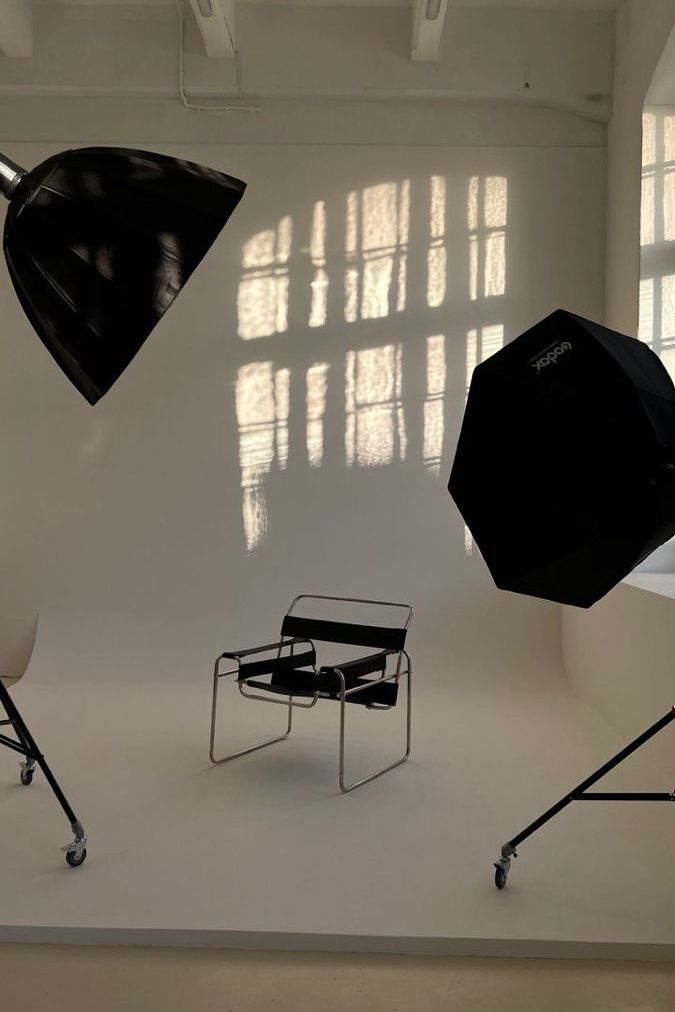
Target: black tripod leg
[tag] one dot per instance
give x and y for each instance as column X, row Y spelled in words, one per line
column 508, row 850
column 76, row 851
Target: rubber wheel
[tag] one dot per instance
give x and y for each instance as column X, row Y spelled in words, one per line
column 73, row 860
column 27, row 777
column 500, row 876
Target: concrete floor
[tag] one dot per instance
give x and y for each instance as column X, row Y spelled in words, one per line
column 55, row 978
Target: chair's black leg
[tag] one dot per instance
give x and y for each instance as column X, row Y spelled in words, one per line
column 580, row 793
column 75, row 852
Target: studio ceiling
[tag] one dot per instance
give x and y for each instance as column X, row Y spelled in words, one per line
column 517, row 51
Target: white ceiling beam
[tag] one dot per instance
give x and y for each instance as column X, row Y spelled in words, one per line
column 16, row 27
column 215, row 19
column 427, row 27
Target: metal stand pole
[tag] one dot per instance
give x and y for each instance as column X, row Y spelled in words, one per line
column 10, row 176
column 580, row 793
column 26, row 745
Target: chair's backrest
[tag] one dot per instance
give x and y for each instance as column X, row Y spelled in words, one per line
column 384, row 637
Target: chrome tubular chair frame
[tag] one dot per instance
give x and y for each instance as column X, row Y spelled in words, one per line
column 218, row 674
column 343, row 694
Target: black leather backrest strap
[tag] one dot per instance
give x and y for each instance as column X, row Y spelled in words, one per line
column 385, row 637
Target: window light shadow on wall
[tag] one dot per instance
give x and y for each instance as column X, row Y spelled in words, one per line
column 262, row 298
column 487, row 208
column 377, row 223
column 317, row 249
column 486, row 213
column 480, row 344
column 434, row 404
column 374, row 418
column 262, row 406
column 360, row 248
column 317, row 384
column 437, row 257
column 657, row 236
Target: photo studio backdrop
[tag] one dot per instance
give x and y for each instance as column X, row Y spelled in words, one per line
column 290, row 426
column 291, row 423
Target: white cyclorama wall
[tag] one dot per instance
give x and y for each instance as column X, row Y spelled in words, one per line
column 619, row 657
column 130, row 515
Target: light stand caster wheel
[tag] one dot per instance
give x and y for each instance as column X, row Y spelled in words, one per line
column 502, row 865
column 75, row 858
column 76, row 851
column 27, row 771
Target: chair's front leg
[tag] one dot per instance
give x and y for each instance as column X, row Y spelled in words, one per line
column 345, row 787
column 408, row 715
column 251, row 748
column 343, row 706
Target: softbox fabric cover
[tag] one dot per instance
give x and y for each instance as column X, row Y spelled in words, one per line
column 564, row 470
column 99, row 241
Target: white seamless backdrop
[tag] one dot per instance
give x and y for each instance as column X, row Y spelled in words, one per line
column 289, row 427
column 290, row 424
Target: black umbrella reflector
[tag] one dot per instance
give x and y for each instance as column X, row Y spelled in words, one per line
column 100, row 241
column 565, row 466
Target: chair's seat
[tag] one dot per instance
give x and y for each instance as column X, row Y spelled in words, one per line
column 296, row 682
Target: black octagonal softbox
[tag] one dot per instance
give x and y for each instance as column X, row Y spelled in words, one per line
column 565, row 466
column 99, row 241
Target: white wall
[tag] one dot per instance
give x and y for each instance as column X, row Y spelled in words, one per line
column 293, row 51
column 618, row 655
column 128, row 517
column 642, row 30
column 656, row 323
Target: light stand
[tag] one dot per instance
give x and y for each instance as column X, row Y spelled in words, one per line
column 565, row 476
column 26, row 745
column 99, row 242
column 581, row 793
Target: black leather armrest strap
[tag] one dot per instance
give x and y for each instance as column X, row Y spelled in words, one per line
column 278, row 665
column 235, row 654
column 353, row 670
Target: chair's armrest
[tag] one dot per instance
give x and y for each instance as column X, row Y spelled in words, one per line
column 236, row 654
column 368, row 662
column 353, row 672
